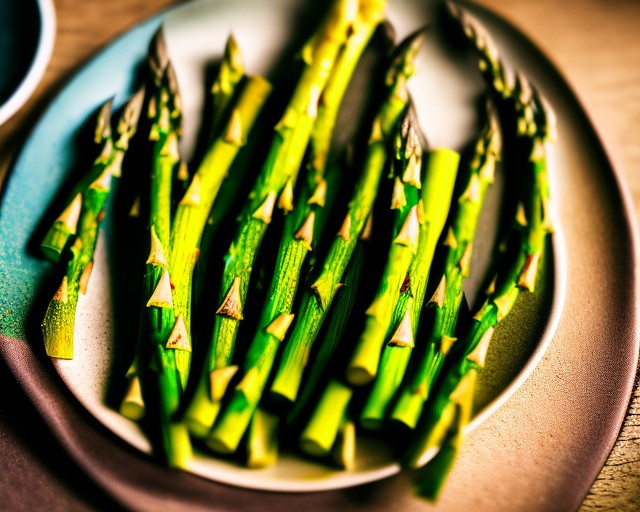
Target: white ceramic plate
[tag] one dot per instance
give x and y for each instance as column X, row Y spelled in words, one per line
column 444, row 92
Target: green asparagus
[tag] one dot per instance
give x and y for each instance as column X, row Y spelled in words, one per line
column 316, row 301
column 302, row 229
column 81, row 221
column 439, row 179
column 449, row 410
column 276, row 179
column 449, row 294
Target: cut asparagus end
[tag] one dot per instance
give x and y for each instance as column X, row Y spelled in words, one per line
column 364, row 365
column 178, row 446
column 433, row 474
column 202, row 412
column 393, row 366
column 430, row 440
column 132, row 405
column 319, row 435
column 233, row 422
column 431, row 478
column 343, row 452
column 262, row 444
column 408, row 409
column 58, row 323
column 284, row 389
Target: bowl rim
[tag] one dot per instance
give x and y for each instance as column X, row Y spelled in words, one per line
column 38, row 64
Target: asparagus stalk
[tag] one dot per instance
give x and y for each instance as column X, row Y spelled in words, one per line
column 164, row 111
column 439, row 179
column 407, row 206
column 194, row 207
column 319, row 435
column 316, row 301
column 81, row 219
column 302, row 229
column 161, row 335
column 277, row 178
column 65, row 226
column 448, row 296
column 517, row 273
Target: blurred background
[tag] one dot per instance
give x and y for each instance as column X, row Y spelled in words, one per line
column 595, row 43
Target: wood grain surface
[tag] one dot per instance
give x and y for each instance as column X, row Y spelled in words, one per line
column 596, row 43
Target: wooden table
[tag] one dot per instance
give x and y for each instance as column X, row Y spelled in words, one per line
column 595, row 43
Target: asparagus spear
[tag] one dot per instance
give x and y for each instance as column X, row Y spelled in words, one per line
column 164, row 112
column 162, row 386
column 316, row 301
column 165, row 115
column 194, row 207
column 277, row 177
column 517, row 272
column 319, row 436
column 448, row 296
column 440, row 176
column 302, row 229
column 64, row 227
column 406, row 203
column 81, row 219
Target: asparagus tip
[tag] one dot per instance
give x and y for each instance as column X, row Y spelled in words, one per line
column 103, row 121
column 158, row 54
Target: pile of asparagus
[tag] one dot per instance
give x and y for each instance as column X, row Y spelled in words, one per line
column 345, row 345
